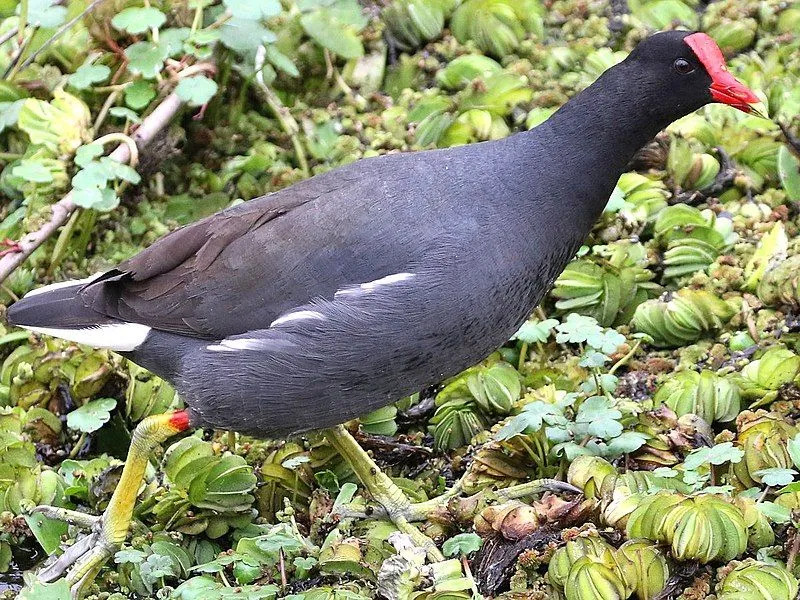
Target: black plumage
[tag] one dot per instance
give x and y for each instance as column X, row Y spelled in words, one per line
column 396, row 271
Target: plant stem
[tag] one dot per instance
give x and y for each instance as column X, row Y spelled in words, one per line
column 101, row 116
column 624, row 360
column 61, row 31
column 78, row 445
column 61, row 210
column 14, row 66
column 62, row 242
column 285, row 118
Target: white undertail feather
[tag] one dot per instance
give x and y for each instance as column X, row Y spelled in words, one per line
column 122, row 337
column 62, row 284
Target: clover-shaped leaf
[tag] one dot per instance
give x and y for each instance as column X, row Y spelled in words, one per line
column 244, row 35
column 598, row 417
column 88, row 74
column 462, row 544
column 138, row 19
column 58, row 590
column 146, row 58
column 716, row 455
column 576, row 329
column 122, row 112
column 533, row 416
column 139, row 94
column 253, row 9
column 92, row 415
column 45, row 13
column 196, row 90
column 776, row 477
column 171, row 40
column 33, row 171
column 87, row 153
column 129, row 555
column 593, row 359
column 535, row 331
column 626, row 442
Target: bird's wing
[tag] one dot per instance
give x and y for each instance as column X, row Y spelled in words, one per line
column 240, row 269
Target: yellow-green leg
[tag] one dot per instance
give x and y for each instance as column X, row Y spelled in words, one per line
column 81, row 562
column 381, row 487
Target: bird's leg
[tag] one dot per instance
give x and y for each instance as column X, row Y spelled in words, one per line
column 383, row 490
column 82, row 561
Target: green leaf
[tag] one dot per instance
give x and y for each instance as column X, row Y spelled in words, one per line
column 33, row 171
column 122, row 112
column 281, row 61
column 593, row 359
column 716, row 455
column 172, row 40
column 92, row 415
column 789, row 171
column 46, row 13
column 87, row 74
column 46, row 591
column 245, row 36
column 776, row 477
column 533, row 416
column 129, row 555
column 93, row 175
column 146, row 58
column 323, row 27
column 196, row 90
column 793, row 447
column 253, row 9
column 774, row 512
column 278, row 540
column 87, row 153
column 627, row 442
column 120, row 170
column 535, row 331
column 138, row 19
column 139, row 94
column 9, row 113
column 47, row 531
column 598, row 417
column 462, row 544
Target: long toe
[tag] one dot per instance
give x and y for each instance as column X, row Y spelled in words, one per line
column 80, row 563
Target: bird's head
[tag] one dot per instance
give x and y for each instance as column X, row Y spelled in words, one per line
column 690, row 67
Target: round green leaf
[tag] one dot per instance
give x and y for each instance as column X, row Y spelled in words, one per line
column 92, row 415
column 87, row 74
column 332, row 34
column 196, row 90
column 138, row 19
column 139, row 94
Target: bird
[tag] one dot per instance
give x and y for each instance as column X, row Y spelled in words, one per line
column 345, row 292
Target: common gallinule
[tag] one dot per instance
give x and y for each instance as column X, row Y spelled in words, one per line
column 345, row 292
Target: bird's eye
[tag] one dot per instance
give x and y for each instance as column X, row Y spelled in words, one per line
column 683, row 66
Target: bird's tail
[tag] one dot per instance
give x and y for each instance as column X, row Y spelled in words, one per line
column 60, row 311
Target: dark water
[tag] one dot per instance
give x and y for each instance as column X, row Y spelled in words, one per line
column 26, row 557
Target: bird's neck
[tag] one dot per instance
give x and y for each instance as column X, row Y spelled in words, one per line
column 603, row 126
column 580, row 152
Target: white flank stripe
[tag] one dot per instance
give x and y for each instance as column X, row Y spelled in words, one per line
column 62, row 284
column 123, row 337
column 372, row 285
column 298, row 316
column 238, row 344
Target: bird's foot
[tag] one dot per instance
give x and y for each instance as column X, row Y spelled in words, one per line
column 420, row 511
column 81, row 562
